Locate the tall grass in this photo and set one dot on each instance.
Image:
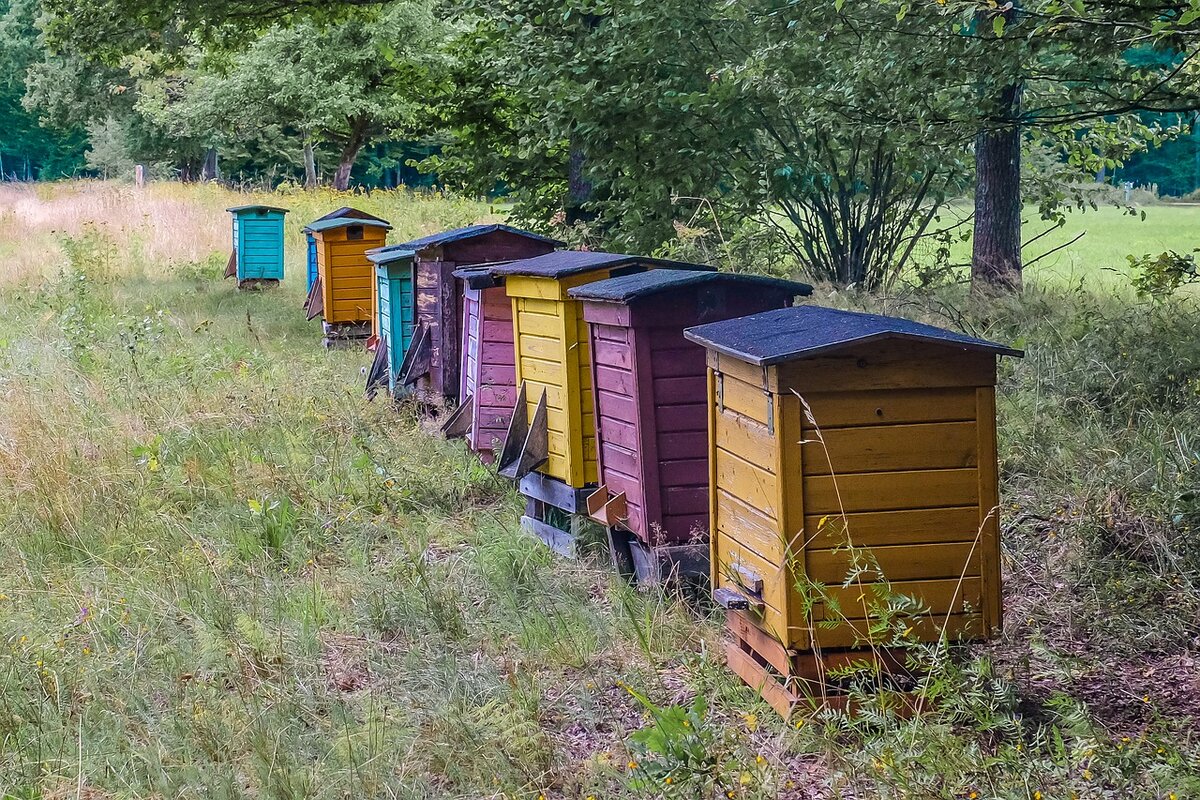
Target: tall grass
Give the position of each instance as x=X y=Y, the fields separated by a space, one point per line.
x=225 y=574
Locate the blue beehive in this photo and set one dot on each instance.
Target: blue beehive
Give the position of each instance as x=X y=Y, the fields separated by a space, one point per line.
x=257 y=255
x=345 y=212
x=393 y=313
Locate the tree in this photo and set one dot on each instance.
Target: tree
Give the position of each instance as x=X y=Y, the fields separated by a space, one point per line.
x=743 y=106
x=28 y=150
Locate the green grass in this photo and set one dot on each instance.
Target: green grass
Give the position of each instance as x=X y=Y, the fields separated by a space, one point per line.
x=1109 y=235
x=225 y=574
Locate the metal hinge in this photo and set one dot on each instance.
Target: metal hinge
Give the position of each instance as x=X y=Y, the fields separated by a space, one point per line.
x=770 y=414
x=720 y=392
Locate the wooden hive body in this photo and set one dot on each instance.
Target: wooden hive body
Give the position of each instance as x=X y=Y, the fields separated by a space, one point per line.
x=651 y=399
x=345 y=212
x=394 y=313
x=489 y=366
x=889 y=473
x=258 y=243
x=346 y=276
x=439 y=294
x=553 y=350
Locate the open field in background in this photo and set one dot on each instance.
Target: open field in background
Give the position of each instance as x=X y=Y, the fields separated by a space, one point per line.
x=1097 y=260
x=224 y=574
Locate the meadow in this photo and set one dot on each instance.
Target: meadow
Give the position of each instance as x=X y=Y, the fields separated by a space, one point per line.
x=225 y=574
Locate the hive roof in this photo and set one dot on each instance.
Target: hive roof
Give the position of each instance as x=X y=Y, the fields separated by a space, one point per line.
x=787 y=334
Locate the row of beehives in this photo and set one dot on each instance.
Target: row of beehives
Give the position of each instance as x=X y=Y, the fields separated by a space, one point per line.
x=804 y=459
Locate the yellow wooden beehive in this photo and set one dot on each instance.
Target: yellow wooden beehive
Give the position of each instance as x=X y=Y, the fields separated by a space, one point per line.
x=552 y=352
x=853 y=461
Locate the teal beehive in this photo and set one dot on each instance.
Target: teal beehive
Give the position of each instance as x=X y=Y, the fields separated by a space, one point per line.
x=394 y=315
x=257 y=257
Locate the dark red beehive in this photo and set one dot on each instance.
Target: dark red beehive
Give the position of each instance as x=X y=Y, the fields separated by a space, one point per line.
x=651 y=404
x=434 y=362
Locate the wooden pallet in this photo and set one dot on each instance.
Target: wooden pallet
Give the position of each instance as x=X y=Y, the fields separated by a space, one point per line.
x=793 y=682
x=556 y=514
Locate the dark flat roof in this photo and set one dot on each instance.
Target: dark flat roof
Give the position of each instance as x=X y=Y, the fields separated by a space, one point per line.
x=345 y=222
x=627 y=288
x=471 y=231
x=564 y=263
x=787 y=334
x=253 y=207
x=389 y=253
x=481 y=276
x=345 y=212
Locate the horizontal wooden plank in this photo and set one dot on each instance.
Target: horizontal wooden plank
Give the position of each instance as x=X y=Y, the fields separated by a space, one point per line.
x=682 y=418
x=890 y=407
x=623 y=460
x=618 y=432
x=887 y=491
x=753 y=525
x=885 y=448
x=693 y=444
x=897 y=563
x=871 y=600
x=753 y=485
x=745 y=399
x=857 y=633
x=616 y=405
x=614 y=354
x=778 y=592
x=920 y=526
x=684 y=472
x=740 y=434
x=889 y=365
x=542 y=347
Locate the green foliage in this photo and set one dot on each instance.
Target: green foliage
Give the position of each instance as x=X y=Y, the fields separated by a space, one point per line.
x=1163 y=274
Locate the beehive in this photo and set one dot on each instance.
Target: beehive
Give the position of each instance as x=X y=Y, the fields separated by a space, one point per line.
x=489 y=384
x=257 y=255
x=651 y=406
x=393 y=315
x=436 y=373
x=345 y=212
x=551 y=442
x=847 y=445
x=343 y=293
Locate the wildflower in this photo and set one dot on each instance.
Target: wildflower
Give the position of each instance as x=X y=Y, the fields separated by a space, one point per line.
x=23 y=640
x=744 y=779
x=87 y=651
x=632 y=765
x=759 y=760
x=973 y=795
x=800 y=723
x=1037 y=794
x=751 y=721
x=1087 y=774
x=668 y=780
x=3 y=596
x=1145 y=698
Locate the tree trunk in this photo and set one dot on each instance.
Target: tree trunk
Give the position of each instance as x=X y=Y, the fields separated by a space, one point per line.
x=354 y=144
x=579 y=188
x=310 y=166
x=996 y=259
x=210 y=171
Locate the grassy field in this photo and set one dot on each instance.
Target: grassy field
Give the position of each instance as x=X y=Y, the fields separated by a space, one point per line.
x=1107 y=235
x=224 y=574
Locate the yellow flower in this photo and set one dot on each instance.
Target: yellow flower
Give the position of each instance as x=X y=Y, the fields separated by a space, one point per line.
x=87 y=651
x=974 y=795
x=1037 y=795
x=632 y=765
x=1087 y=774
x=751 y=721
x=800 y=723
x=668 y=780
x=759 y=760
x=745 y=778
